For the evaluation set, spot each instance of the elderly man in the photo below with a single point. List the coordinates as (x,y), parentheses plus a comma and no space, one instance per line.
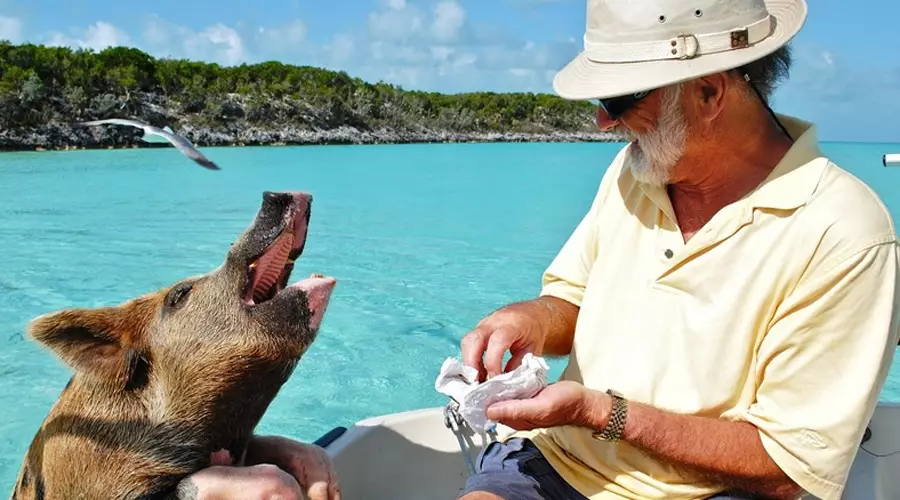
(729,301)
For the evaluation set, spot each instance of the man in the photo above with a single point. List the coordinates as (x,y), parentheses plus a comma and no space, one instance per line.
(729,301)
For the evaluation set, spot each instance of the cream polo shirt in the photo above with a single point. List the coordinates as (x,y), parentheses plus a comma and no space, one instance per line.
(782,311)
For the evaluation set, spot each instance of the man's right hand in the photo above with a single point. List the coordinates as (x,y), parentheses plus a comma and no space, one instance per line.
(519,328)
(225,482)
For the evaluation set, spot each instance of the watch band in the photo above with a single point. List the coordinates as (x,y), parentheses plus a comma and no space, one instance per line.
(616,424)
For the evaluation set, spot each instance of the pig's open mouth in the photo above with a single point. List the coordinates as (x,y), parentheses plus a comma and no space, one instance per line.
(268,274)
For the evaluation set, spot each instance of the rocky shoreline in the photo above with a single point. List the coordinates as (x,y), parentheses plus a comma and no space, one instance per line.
(65,137)
(265,104)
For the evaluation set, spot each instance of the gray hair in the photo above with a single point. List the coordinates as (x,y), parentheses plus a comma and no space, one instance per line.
(765,73)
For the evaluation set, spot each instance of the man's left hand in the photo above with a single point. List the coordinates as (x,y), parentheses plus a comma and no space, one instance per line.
(309,464)
(558,404)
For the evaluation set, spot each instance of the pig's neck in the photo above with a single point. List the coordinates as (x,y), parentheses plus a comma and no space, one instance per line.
(224,416)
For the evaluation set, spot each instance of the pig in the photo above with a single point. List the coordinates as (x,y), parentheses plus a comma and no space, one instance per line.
(166,384)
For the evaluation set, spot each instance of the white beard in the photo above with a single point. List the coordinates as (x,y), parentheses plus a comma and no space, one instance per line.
(653,157)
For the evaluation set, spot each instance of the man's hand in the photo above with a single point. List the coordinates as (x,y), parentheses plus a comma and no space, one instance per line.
(223,482)
(309,464)
(512,328)
(545,325)
(562,403)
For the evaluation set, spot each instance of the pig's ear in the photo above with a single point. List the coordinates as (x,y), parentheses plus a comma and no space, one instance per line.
(99,343)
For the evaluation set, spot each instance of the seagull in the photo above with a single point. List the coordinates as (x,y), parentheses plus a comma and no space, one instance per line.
(164,135)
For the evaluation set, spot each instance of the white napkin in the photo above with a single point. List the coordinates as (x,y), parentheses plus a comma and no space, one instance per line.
(459,382)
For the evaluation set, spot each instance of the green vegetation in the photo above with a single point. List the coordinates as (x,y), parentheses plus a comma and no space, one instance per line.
(40,86)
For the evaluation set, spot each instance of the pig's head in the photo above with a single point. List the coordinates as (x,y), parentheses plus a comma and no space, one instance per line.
(208,354)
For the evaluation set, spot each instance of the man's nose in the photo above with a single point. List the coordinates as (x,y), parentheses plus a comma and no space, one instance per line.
(604,122)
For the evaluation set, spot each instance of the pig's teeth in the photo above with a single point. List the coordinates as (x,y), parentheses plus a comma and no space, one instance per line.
(253,266)
(316,275)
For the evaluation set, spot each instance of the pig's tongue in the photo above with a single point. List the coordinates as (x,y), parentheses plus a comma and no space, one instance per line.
(270,267)
(318,291)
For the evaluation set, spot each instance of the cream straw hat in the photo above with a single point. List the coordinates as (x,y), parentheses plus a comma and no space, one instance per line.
(639,45)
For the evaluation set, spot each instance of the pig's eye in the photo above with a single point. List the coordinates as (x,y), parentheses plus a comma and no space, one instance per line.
(177,295)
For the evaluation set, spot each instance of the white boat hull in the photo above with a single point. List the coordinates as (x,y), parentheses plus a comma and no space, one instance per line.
(891,160)
(414,456)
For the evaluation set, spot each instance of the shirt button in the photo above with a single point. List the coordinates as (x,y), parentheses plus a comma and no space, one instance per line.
(669,253)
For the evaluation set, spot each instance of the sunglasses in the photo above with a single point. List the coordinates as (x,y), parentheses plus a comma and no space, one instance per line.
(615,107)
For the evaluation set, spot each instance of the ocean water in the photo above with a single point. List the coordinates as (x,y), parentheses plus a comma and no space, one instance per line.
(424,241)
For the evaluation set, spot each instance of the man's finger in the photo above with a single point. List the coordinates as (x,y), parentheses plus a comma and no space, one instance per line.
(334,485)
(499,343)
(515,360)
(221,457)
(318,491)
(473,345)
(510,410)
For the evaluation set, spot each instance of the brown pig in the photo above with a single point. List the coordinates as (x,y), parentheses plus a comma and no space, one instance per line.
(166,380)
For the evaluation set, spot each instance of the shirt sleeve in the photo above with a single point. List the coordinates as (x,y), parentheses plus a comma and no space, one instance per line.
(822,365)
(568,273)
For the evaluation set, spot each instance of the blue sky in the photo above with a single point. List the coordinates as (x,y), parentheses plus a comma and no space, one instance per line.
(846,75)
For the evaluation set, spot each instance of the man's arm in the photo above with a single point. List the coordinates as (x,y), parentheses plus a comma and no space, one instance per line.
(724,451)
(558,317)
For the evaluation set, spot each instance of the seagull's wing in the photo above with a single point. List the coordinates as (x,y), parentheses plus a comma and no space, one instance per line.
(190,151)
(148,129)
(176,140)
(119,121)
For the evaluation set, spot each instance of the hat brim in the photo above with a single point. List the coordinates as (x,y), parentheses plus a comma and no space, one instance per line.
(583,79)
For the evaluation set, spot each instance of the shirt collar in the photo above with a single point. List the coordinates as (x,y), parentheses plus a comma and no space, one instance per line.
(795,178)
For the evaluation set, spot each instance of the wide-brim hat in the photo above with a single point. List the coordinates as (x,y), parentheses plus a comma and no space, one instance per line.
(636,45)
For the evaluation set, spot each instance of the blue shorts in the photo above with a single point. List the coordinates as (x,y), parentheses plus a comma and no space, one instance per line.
(516,470)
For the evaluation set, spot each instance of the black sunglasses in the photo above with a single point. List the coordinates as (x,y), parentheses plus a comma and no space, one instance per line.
(615,107)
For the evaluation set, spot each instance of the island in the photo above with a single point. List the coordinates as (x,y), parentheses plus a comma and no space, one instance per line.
(45,91)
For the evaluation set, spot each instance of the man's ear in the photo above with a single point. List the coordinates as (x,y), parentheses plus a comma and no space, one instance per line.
(99,343)
(710,92)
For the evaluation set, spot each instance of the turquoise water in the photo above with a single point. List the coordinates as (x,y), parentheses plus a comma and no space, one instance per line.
(424,240)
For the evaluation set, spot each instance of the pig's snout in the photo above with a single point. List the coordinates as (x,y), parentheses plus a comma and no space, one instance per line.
(317,289)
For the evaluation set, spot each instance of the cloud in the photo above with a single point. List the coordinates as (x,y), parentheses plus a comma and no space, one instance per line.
(398,21)
(284,37)
(216,43)
(98,36)
(10,29)
(449,17)
(437,47)
(848,101)
(536,2)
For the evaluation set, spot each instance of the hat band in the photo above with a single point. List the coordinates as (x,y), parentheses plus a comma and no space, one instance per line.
(679,47)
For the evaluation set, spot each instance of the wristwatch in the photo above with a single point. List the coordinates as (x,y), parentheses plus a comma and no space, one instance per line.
(616,423)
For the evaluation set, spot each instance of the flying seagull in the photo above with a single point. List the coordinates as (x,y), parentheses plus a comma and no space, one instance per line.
(166,134)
